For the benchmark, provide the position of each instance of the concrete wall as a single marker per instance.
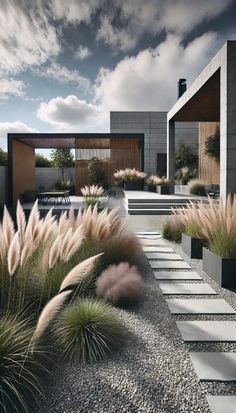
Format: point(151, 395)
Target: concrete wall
point(154, 127)
point(3, 184)
point(45, 178)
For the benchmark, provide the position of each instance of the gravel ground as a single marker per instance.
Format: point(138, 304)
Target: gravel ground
point(152, 374)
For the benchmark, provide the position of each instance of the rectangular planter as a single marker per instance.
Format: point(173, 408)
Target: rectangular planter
point(163, 189)
point(222, 270)
point(133, 186)
point(152, 188)
point(192, 246)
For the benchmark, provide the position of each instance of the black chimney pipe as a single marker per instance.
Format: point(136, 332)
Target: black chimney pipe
point(182, 86)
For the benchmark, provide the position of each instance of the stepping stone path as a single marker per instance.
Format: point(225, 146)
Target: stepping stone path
point(199, 306)
point(178, 265)
point(186, 289)
point(222, 331)
point(209, 366)
point(176, 275)
point(163, 256)
point(216, 366)
point(222, 404)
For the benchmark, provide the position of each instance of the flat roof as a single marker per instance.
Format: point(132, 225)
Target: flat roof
point(64, 140)
point(201, 101)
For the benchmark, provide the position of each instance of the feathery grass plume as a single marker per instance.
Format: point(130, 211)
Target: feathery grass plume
point(120, 284)
point(32, 222)
point(7, 227)
point(65, 243)
point(20, 220)
point(63, 223)
point(78, 273)
point(22, 373)
point(74, 243)
point(3, 247)
point(71, 217)
point(79, 218)
point(173, 228)
point(55, 251)
point(13, 255)
point(45, 260)
point(88, 330)
point(48, 313)
point(50, 232)
point(26, 253)
point(92, 190)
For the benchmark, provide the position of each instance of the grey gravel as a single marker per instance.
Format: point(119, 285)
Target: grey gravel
point(153, 373)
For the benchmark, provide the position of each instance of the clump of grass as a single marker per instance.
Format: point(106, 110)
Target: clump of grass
point(190, 217)
point(21, 371)
point(120, 284)
point(197, 187)
point(89, 331)
point(224, 244)
point(173, 229)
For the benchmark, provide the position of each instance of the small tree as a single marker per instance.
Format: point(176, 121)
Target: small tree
point(61, 159)
point(41, 161)
point(3, 157)
point(186, 157)
point(212, 146)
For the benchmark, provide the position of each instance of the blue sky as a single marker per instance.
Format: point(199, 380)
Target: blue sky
point(64, 64)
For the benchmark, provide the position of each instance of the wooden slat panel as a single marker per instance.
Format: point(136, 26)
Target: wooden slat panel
point(209, 169)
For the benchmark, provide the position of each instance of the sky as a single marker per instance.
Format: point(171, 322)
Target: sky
point(65, 64)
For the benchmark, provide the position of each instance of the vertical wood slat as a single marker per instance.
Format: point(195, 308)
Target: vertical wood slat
point(209, 168)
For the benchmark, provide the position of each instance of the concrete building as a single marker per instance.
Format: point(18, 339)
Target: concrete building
point(153, 126)
point(211, 100)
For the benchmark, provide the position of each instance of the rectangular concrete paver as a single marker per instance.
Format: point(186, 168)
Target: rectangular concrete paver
point(221, 331)
point(160, 248)
point(147, 233)
point(186, 288)
point(199, 306)
point(152, 242)
point(216, 366)
point(177, 275)
point(168, 265)
point(163, 256)
point(222, 404)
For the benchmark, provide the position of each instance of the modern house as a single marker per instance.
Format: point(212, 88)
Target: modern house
point(210, 100)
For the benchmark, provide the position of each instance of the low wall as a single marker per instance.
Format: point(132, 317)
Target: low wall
point(45, 178)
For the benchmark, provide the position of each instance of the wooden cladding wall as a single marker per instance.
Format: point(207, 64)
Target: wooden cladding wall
point(209, 169)
point(23, 170)
point(124, 153)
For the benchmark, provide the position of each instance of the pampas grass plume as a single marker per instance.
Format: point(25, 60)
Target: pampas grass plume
point(13, 255)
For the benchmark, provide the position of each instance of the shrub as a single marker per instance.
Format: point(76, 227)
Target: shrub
point(173, 229)
point(120, 284)
point(185, 174)
point(65, 186)
point(128, 175)
point(21, 371)
point(124, 248)
point(185, 156)
point(88, 330)
point(197, 187)
point(212, 146)
point(97, 172)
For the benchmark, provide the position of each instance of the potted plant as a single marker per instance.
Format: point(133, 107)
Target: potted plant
point(131, 179)
point(163, 186)
point(219, 228)
point(152, 182)
point(192, 236)
point(92, 195)
point(197, 187)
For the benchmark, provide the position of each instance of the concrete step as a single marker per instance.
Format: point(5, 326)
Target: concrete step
point(166, 205)
point(161, 200)
point(149, 211)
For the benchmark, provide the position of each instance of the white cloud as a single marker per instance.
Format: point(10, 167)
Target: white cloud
point(26, 36)
point(75, 11)
point(63, 75)
point(153, 16)
point(83, 52)
point(10, 86)
point(74, 115)
point(148, 81)
point(12, 127)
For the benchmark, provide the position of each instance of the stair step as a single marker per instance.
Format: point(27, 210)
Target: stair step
point(149, 211)
point(154, 206)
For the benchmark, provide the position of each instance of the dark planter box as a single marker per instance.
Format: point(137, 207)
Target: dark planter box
point(192, 246)
point(163, 189)
point(152, 188)
point(133, 186)
point(221, 270)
